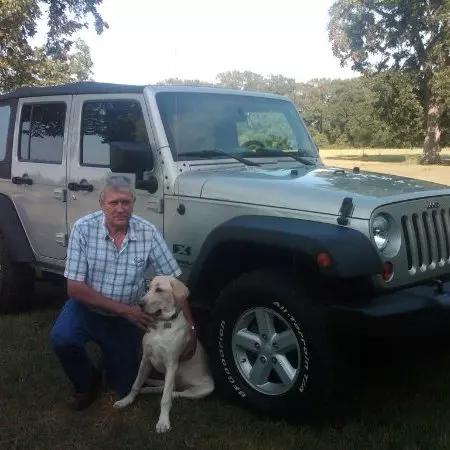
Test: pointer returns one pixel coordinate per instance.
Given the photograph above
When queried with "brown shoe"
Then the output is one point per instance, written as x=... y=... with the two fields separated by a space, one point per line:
x=82 y=400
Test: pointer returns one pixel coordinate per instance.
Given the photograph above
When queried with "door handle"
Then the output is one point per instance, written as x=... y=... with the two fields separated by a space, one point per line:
x=24 y=179
x=80 y=186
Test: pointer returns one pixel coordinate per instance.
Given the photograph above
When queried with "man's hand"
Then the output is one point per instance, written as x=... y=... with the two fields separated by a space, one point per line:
x=140 y=318
x=191 y=346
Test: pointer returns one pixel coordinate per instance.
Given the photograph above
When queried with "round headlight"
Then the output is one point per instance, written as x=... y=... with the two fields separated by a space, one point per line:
x=381 y=231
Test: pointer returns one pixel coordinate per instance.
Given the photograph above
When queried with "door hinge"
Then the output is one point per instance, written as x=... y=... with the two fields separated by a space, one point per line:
x=62 y=239
x=60 y=194
x=157 y=205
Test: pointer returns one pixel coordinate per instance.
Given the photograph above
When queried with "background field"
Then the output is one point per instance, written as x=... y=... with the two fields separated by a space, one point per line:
x=396 y=394
x=395 y=161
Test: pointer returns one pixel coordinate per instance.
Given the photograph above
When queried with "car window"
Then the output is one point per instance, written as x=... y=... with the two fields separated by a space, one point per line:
x=109 y=121
x=42 y=132
x=5 y=112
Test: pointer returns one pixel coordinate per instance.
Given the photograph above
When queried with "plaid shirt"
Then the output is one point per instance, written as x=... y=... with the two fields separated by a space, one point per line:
x=118 y=274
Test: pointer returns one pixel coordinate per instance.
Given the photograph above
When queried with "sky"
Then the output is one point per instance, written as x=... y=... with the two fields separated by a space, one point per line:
x=196 y=39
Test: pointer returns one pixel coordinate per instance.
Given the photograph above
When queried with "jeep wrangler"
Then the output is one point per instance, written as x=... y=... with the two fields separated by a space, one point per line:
x=272 y=243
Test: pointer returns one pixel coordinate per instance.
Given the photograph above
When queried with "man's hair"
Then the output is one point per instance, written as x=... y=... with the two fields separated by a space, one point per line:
x=116 y=183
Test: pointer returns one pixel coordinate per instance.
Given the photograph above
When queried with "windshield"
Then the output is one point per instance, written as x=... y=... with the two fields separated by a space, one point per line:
x=232 y=124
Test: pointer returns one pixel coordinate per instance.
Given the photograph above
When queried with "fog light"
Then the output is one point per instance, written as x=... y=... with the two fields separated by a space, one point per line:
x=388 y=271
x=324 y=260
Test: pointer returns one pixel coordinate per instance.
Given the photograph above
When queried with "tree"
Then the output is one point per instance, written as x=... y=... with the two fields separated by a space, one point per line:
x=396 y=102
x=62 y=58
x=376 y=35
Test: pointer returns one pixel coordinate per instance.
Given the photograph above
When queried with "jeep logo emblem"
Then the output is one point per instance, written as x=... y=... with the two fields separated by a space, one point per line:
x=433 y=205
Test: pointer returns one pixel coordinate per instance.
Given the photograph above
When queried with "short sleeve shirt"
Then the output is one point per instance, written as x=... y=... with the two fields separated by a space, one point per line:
x=118 y=274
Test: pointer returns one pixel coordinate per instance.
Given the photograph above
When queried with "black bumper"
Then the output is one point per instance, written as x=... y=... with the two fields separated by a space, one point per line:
x=405 y=301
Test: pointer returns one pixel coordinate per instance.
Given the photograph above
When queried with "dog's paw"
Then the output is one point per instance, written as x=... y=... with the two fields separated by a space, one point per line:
x=162 y=426
x=123 y=403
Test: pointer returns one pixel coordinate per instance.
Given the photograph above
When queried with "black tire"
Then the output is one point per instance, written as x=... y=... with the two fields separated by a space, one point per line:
x=16 y=282
x=282 y=297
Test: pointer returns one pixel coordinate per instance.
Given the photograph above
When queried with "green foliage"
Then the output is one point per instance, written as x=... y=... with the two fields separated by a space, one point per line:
x=397 y=101
x=380 y=110
x=405 y=35
x=62 y=58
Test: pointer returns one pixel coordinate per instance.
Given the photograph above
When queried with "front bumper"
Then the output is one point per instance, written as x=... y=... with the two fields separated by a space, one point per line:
x=397 y=303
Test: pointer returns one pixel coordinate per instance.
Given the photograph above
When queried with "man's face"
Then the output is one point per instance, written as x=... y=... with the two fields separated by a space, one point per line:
x=118 y=207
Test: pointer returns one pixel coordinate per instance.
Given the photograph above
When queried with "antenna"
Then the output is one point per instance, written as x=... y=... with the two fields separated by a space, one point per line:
x=176 y=183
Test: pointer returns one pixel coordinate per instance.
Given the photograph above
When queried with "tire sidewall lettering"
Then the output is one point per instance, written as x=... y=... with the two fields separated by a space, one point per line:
x=223 y=361
x=304 y=348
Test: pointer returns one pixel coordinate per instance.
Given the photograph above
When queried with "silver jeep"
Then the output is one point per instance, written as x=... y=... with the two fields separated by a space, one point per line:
x=271 y=242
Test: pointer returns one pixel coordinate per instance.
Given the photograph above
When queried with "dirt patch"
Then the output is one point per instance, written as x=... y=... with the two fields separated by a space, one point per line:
x=390 y=161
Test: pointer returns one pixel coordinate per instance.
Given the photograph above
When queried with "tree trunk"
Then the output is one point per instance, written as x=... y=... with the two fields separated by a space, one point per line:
x=431 y=148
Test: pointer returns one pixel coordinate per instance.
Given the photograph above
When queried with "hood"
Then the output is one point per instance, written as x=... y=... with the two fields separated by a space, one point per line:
x=319 y=190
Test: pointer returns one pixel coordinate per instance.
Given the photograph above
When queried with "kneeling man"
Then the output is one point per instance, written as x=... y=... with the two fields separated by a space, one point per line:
x=109 y=253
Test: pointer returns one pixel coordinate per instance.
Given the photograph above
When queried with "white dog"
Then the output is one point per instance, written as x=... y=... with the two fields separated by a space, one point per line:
x=162 y=347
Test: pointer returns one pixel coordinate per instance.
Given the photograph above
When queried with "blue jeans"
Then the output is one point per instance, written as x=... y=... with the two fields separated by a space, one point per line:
x=119 y=340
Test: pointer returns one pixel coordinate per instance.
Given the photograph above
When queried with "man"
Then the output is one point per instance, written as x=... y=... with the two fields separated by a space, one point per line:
x=109 y=253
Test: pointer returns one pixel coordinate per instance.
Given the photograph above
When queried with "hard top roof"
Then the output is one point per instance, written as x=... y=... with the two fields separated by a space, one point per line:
x=93 y=87
x=83 y=87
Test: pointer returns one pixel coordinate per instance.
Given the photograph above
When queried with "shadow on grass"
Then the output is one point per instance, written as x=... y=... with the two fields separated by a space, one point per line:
x=48 y=296
x=395 y=386
x=398 y=372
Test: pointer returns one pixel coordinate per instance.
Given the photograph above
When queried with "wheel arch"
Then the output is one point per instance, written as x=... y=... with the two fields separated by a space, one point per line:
x=14 y=235
x=247 y=243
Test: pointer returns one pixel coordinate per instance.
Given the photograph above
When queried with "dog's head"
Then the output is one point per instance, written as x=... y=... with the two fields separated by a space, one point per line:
x=164 y=297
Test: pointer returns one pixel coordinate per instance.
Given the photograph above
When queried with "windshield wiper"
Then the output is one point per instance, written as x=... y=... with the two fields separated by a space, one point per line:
x=210 y=153
x=270 y=152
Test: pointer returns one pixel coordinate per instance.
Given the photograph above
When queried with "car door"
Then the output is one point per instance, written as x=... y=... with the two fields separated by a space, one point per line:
x=102 y=119
x=38 y=172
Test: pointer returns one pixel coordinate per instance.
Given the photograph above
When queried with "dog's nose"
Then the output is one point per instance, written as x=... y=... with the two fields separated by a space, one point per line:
x=141 y=302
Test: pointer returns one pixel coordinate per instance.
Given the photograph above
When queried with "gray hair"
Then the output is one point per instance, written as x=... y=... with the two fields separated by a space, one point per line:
x=117 y=182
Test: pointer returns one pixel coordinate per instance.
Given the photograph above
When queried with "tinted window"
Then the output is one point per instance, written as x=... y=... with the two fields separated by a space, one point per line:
x=109 y=121
x=42 y=132
x=4 y=125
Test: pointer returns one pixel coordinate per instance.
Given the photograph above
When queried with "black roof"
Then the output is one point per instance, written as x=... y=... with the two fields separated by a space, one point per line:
x=84 y=87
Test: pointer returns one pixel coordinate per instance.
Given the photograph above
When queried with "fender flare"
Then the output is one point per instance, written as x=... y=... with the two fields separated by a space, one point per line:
x=13 y=233
x=343 y=244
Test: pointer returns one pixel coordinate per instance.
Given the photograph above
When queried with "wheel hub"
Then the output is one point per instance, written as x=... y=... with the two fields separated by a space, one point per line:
x=266 y=351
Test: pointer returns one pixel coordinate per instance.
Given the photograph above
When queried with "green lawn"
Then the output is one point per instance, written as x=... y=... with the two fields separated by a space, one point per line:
x=398 y=397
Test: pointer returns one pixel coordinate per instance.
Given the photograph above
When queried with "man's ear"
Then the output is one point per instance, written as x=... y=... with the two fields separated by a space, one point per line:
x=180 y=291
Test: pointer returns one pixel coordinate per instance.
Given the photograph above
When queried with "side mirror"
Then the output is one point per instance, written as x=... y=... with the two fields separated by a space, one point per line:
x=130 y=157
x=150 y=185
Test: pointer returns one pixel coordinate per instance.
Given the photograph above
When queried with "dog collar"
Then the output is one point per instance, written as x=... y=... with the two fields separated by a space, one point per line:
x=168 y=322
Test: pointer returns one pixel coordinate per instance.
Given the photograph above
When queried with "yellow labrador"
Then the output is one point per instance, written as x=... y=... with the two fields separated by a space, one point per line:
x=162 y=348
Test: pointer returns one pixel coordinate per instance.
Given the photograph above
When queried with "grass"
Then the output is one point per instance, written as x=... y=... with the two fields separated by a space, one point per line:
x=395 y=395
x=391 y=161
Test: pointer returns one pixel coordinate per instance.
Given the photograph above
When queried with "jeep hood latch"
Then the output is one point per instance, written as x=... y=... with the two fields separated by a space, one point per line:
x=346 y=211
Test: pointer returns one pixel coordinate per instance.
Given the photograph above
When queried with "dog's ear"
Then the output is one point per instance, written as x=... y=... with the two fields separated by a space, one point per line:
x=180 y=291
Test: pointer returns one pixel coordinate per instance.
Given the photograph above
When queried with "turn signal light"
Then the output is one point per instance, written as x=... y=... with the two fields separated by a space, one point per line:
x=388 y=271
x=324 y=260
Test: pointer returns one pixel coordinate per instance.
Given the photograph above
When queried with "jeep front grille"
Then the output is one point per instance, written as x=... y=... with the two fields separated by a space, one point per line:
x=427 y=239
